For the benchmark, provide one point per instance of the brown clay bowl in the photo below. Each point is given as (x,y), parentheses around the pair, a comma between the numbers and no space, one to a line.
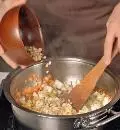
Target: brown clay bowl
(20,27)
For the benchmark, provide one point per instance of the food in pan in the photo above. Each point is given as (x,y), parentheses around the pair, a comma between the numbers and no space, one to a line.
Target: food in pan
(44,97)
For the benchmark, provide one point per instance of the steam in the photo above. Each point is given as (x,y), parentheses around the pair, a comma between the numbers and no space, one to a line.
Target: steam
(66,46)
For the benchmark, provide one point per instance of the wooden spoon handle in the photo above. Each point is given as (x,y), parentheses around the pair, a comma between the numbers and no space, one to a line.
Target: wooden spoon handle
(98,70)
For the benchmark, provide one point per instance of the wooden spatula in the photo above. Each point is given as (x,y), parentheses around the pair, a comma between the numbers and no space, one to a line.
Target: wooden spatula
(81,92)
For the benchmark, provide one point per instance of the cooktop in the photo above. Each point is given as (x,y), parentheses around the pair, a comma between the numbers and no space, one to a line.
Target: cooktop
(8,121)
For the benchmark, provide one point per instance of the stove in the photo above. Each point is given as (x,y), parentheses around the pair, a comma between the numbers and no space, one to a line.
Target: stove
(8,121)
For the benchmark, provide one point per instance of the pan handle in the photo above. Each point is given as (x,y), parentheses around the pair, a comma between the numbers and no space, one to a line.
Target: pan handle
(114,115)
(87,123)
(109,116)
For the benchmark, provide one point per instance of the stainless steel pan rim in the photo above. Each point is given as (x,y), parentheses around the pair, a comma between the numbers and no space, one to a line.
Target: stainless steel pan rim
(106,108)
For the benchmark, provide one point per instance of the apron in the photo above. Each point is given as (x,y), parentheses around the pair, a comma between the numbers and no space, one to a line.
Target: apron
(75,28)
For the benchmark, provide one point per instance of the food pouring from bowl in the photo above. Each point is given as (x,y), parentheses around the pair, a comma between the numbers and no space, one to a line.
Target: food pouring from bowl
(20,32)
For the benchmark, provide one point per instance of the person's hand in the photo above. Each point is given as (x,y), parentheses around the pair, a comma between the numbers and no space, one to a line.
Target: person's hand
(4,7)
(7,59)
(8,4)
(113,33)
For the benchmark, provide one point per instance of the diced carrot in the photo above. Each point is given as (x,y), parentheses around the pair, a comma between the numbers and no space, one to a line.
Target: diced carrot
(27,90)
(37,88)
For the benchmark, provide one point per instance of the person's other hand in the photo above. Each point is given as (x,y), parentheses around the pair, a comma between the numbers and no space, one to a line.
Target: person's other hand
(113,33)
(4,7)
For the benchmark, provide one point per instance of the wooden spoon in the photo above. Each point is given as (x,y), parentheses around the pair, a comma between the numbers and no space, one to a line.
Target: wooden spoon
(79,94)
